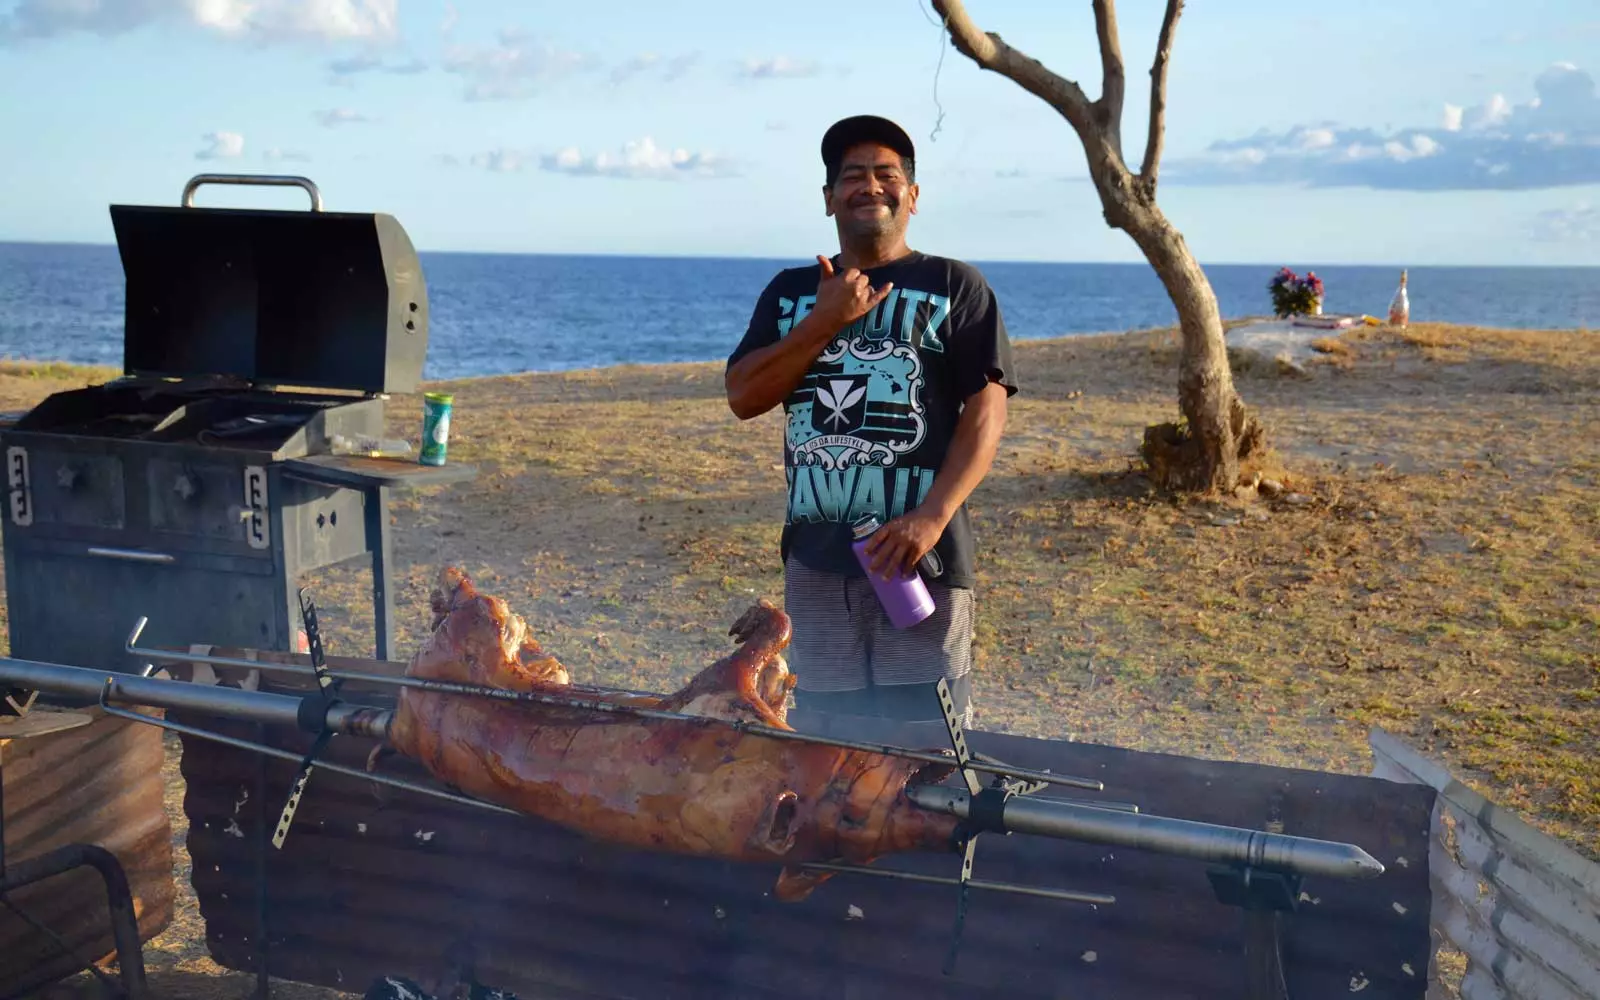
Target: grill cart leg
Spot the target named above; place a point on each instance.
(124, 922)
(1264, 897)
(263, 975)
(381, 542)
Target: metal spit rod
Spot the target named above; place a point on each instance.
(1019, 814)
(254, 706)
(109, 690)
(1065, 895)
(1164, 835)
(449, 687)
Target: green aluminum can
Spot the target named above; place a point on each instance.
(435, 427)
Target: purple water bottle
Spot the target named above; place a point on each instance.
(905, 598)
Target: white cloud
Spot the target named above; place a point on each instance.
(275, 155)
(341, 116)
(668, 69)
(1550, 141)
(1420, 146)
(501, 161)
(223, 146)
(1579, 224)
(776, 67)
(256, 20)
(1243, 154)
(342, 71)
(513, 67)
(351, 65)
(334, 20)
(1493, 112)
(633, 67)
(641, 159)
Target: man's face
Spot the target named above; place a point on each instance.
(872, 196)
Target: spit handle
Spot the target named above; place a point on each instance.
(268, 180)
(131, 555)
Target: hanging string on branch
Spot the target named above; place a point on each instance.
(944, 42)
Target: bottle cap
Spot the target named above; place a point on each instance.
(865, 525)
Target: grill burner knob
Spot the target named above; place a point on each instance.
(67, 477)
(184, 486)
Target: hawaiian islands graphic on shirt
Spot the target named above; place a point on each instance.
(860, 411)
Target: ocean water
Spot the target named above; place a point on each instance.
(496, 314)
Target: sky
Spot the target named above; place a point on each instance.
(1357, 131)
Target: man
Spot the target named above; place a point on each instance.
(894, 368)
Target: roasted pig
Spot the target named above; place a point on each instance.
(687, 786)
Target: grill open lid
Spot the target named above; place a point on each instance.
(320, 299)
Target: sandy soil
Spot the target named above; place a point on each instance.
(1427, 567)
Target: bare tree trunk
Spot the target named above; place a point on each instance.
(1219, 430)
(1204, 452)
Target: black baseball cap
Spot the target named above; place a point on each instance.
(847, 132)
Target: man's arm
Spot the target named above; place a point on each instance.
(766, 376)
(906, 539)
(979, 352)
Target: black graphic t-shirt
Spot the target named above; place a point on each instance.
(869, 425)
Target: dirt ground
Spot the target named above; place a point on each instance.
(1427, 568)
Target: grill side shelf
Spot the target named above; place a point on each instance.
(363, 472)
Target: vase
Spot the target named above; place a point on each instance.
(1316, 306)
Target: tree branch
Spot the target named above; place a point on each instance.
(1158, 96)
(1113, 78)
(991, 53)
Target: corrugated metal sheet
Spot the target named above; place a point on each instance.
(96, 784)
(376, 882)
(1523, 907)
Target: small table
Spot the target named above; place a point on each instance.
(375, 477)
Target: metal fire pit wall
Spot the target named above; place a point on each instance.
(95, 784)
(377, 881)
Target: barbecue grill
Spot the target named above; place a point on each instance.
(203, 482)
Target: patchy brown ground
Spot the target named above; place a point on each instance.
(1429, 569)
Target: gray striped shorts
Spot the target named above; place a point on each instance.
(849, 658)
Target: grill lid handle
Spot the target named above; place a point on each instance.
(267, 180)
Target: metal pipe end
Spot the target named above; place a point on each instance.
(133, 636)
(1365, 865)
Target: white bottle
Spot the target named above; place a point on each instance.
(1400, 306)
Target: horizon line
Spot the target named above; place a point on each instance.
(765, 258)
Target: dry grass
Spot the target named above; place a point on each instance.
(1437, 580)
(22, 383)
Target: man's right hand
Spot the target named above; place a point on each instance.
(845, 297)
(766, 376)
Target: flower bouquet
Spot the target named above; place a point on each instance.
(1293, 295)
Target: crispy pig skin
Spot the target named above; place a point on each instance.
(702, 788)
